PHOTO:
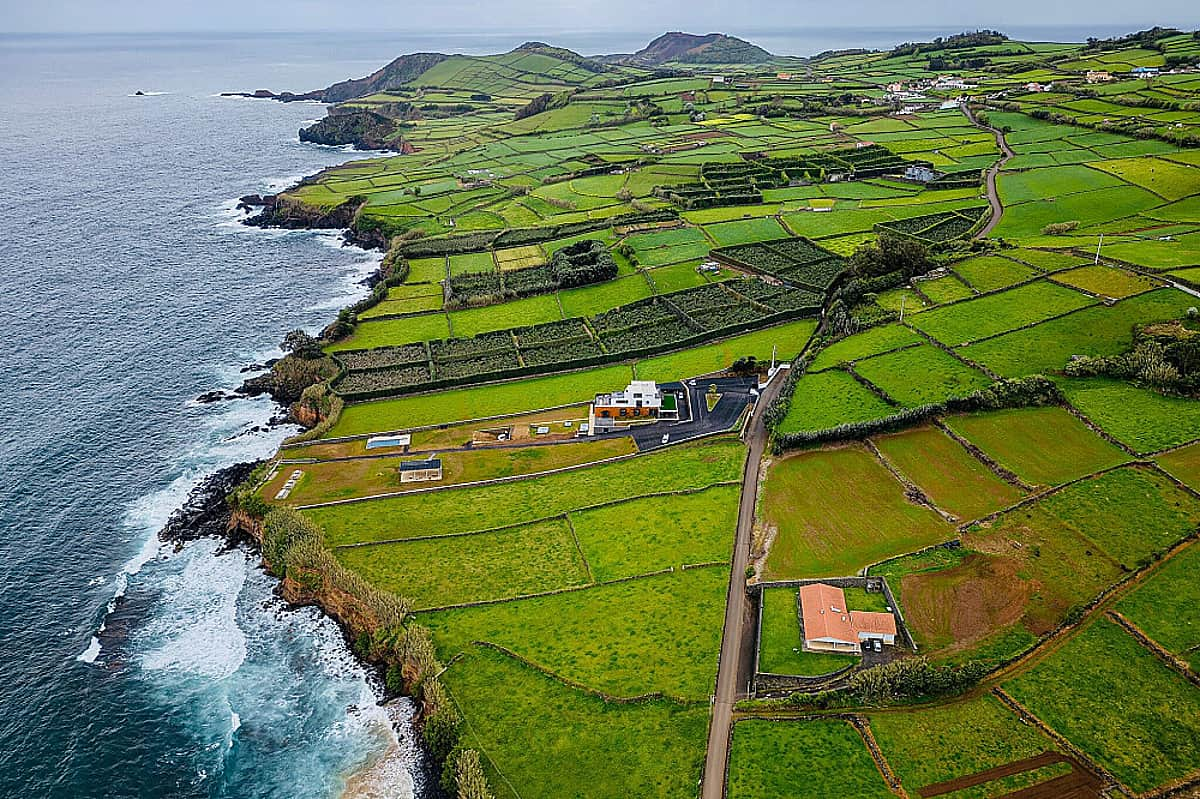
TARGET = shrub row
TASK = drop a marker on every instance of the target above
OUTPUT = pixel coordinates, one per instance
(1015, 393)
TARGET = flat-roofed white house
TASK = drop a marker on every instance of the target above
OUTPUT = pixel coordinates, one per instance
(640, 401)
(830, 627)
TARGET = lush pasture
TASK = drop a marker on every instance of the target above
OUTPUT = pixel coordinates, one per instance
(1150, 735)
(826, 399)
(1165, 606)
(801, 760)
(483, 507)
(745, 231)
(1044, 446)
(1167, 179)
(1106, 281)
(659, 633)
(449, 571)
(944, 289)
(1183, 464)
(872, 341)
(535, 724)
(387, 332)
(1099, 330)
(779, 645)
(941, 743)
(1028, 219)
(818, 502)
(953, 478)
(998, 313)
(652, 533)
(991, 272)
(788, 339)
(921, 375)
(477, 402)
(1141, 418)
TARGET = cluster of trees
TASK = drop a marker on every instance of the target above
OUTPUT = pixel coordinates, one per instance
(1165, 357)
(1148, 39)
(958, 41)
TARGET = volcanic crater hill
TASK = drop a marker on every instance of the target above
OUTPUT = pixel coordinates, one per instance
(690, 48)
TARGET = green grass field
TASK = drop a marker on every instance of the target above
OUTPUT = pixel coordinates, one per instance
(1099, 330)
(1164, 606)
(922, 375)
(990, 272)
(941, 743)
(477, 402)
(1045, 446)
(449, 571)
(1148, 737)
(827, 399)
(660, 633)
(1142, 419)
(1106, 281)
(1183, 464)
(528, 730)
(953, 478)
(652, 533)
(998, 313)
(801, 760)
(789, 338)
(819, 500)
(484, 507)
(872, 341)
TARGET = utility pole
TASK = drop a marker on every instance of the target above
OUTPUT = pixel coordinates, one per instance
(1098, 245)
(902, 296)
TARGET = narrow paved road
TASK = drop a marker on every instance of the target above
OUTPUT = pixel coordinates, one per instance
(993, 195)
(737, 649)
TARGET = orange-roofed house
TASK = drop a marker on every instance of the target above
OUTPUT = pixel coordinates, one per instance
(830, 627)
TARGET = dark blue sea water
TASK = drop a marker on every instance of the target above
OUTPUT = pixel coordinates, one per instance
(127, 288)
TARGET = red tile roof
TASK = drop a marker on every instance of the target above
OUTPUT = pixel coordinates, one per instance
(823, 608)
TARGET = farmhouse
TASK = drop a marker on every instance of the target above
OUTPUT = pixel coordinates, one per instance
(920, 173)
(829, 627)
(428, 470)
(1097, 76)
(641, 401)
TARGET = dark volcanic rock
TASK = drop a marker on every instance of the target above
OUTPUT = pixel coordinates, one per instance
(366, 130)
(278, 212)
(216, 395)
(205, 513)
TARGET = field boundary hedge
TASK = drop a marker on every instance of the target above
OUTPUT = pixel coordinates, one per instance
(577, 364)
(1015, 393)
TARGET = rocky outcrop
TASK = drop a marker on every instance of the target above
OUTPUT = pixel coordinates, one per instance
(205, 512)
(365, 130)
(279, 211)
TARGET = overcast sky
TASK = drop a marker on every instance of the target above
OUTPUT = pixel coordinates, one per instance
(108, 16)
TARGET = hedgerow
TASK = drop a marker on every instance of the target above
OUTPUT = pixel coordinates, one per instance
(1015, 393)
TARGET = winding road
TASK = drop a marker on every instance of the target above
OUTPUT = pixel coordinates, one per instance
(737, 649)
(993, 195)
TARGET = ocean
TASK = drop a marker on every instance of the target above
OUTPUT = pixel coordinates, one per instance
(129, 289)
